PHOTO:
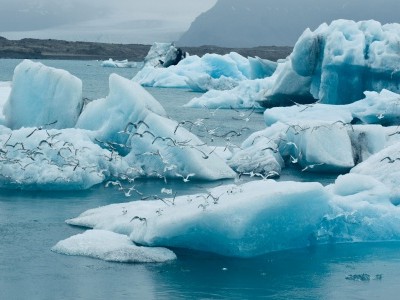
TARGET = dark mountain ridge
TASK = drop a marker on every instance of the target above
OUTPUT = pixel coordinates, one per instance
(250, 23)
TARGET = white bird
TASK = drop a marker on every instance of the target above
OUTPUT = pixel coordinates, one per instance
(185, 179)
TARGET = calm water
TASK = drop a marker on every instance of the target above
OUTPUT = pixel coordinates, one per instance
(32, 222)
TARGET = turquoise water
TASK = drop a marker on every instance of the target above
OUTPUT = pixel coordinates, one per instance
(32, 222)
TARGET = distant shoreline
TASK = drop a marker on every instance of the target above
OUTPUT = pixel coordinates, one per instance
(59, 49)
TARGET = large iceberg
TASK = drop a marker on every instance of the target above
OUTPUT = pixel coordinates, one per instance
(257, 217)
(43, 95)
(133, 122)
(211, 71)
(334, 64)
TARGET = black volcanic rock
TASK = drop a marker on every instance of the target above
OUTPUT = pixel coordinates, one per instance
(250, 23)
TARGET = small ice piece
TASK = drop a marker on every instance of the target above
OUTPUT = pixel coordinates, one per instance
(110, 246)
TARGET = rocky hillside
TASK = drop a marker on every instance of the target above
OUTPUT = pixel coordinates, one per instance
(58, 49)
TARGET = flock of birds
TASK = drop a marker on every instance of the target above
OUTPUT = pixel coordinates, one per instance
(22, 154)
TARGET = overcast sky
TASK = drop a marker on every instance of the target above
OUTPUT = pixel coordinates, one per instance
(124, 21)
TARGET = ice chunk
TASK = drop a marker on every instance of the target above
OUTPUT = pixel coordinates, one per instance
(127, 102)
(163, 55)
(211, 71)
(54, 159)
(42, 95)
(385, 167)
(312, 145)
(361, 212)
(258, 217)
(245, 95)
(377, 108)
(334, 64)
(110, 63)
(347, 58)
(247, 220)
(110, 246)
(134, 123)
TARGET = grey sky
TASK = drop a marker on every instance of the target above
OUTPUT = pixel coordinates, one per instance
(125, 21)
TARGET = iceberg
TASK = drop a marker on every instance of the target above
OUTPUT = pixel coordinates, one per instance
(110, 246)
(42, 95)
(257, 217)
(110, 63)
(163, 55)
(385, 167)
(247, 220)
(338, 62)
(335, 64)
(328, 137)
(133, 122)
(211, 71)
(53, 159)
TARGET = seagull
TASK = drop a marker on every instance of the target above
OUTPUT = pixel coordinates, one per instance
(390, 160)
(294, 160)
(144, 220)
(142, 134)
(270, 148)
(135, 125)
(380, 116)
(312, 166)
(164, 139)
(129, 192)
(182, 123)
(185, 179)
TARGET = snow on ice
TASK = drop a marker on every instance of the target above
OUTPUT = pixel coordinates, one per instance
(110, 246)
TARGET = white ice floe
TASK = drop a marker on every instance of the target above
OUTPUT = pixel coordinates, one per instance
(110, 63)
(257, 217)
(43, 95)
(247, 220)
(110, 246)
(211, 71)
